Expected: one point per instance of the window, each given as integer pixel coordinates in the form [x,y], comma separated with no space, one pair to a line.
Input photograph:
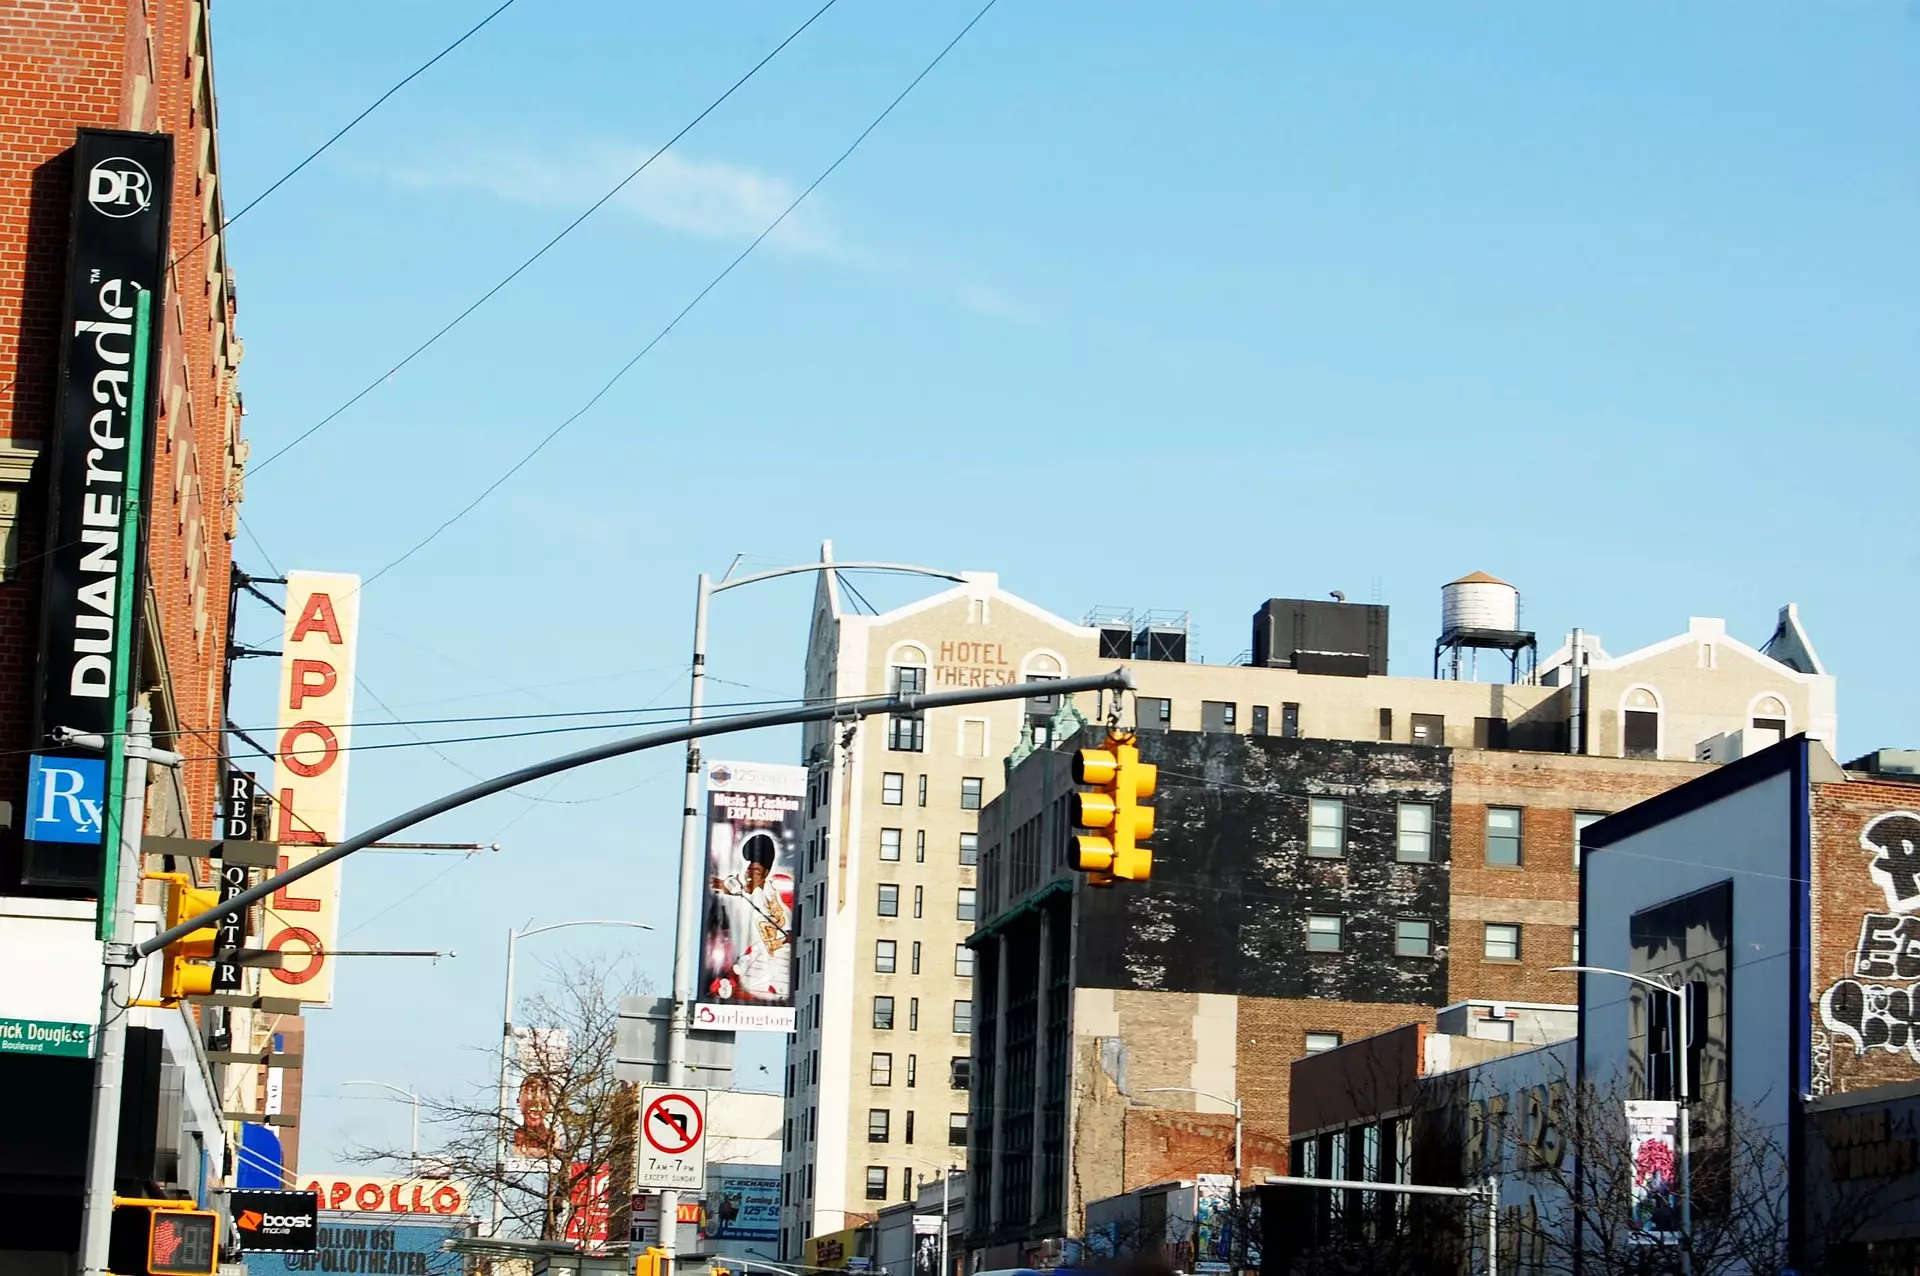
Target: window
[1576,945]
[969,848]
[1259,719]
[1151,714]
[970,793]
[920,847]
[1640,720]
[1582,821]
[890,844]
[1326,827]
[919,901]
[1503,942]
[1413,833]
[913,1068]
[1412,938]
[878,1121]
[876,1182]
[1429,728]
[1386,724]
[916,956]
[1320,1042]
[907,732]
[1323,933]
[1218,715]
[1769,724]
[959,1072]
[1503,835]
[963,1017]
[908,1137]
[906,1183]
[957,1129]
[889,900]
[962,961]
[883,955]
[913,1014]
[880,1070]
[966,909]
[883,1013]
[923,790]
[1290,721]
[893,789]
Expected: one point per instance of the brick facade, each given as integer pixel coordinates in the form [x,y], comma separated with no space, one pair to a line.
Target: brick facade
[1542,894]
[142,66]
[1851,908]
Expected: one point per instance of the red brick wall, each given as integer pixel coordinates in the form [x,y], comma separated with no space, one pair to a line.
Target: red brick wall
[67,64]
[1161,1145]
[1844,893]
[1273,1033]
[1542,895]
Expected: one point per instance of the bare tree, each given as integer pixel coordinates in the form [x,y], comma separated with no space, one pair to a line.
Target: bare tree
[569,1129]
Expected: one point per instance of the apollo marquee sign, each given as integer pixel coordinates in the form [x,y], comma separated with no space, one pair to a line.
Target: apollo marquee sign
[98,468]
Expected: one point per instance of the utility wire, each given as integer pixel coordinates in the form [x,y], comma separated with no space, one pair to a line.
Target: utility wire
[346,128]
[542,251]
[685,310]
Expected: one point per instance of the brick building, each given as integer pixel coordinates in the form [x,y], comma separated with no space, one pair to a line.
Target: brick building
[883,1069]
[145,67]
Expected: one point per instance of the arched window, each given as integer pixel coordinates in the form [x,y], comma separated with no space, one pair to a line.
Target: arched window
[1041,666]
[1767,722]
[907,672]
[1640,723]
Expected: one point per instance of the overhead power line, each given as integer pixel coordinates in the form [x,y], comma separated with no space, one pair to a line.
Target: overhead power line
[685,310]
[542,251]
[346,128]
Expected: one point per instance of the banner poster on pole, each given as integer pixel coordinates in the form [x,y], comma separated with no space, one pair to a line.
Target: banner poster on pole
[1652,1130]
[746,928]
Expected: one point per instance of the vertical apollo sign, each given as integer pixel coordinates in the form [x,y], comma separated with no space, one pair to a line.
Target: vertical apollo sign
[310,778]
[100,457]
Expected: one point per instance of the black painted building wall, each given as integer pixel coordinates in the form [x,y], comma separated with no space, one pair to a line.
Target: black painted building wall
[1233,883]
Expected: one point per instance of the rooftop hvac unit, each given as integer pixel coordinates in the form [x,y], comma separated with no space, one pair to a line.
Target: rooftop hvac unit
[1161,642]
[1116,642]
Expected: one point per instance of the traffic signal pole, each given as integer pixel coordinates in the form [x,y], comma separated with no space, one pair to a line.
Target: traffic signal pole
[103,1149]
[116,989]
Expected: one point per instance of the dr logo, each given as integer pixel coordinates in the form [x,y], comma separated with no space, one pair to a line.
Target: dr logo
[65,797]
[119,187]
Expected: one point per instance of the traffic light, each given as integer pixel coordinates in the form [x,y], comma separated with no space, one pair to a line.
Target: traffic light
[1115,811]
[163,1238]
[653,1262]
[184,976]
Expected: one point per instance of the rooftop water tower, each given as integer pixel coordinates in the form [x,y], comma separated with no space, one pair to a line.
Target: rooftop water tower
[1481,612]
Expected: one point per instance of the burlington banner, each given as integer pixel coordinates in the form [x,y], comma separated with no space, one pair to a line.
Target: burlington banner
[101,447]
[746,932]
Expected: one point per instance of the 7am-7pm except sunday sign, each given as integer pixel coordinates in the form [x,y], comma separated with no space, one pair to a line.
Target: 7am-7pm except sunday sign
[673,1138]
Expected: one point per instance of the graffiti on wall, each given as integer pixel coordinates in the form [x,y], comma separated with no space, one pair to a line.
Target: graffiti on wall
[1877,1006]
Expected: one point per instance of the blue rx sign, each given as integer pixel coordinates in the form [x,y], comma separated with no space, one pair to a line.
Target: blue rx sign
[65,799]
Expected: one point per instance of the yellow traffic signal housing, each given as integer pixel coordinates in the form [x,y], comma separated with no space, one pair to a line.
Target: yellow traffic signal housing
[652,1263]
[1115,810]
[184,976]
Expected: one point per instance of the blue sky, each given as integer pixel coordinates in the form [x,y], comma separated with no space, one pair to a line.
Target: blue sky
[1617,301]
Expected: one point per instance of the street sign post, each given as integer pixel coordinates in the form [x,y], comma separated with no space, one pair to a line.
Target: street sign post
[673,1138]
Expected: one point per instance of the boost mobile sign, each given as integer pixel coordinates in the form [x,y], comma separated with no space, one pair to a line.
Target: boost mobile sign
[99,467]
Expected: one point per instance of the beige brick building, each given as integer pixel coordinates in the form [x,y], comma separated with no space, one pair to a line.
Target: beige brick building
[883,1067]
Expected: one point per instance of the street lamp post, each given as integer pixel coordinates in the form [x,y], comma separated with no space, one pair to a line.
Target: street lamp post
[1239,1130]
[506,1050]
[1682,1081]
[946,1184]
[412,1096]
[692,874]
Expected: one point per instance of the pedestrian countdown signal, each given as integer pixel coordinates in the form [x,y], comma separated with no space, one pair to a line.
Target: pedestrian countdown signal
[1115,810]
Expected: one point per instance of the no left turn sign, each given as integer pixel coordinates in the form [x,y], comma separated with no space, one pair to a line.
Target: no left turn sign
[673,1134]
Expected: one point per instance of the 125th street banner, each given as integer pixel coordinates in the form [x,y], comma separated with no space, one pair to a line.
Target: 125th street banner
[746,932]
[101,444]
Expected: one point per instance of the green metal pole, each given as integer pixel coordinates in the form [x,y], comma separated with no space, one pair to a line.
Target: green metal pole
[125,609]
